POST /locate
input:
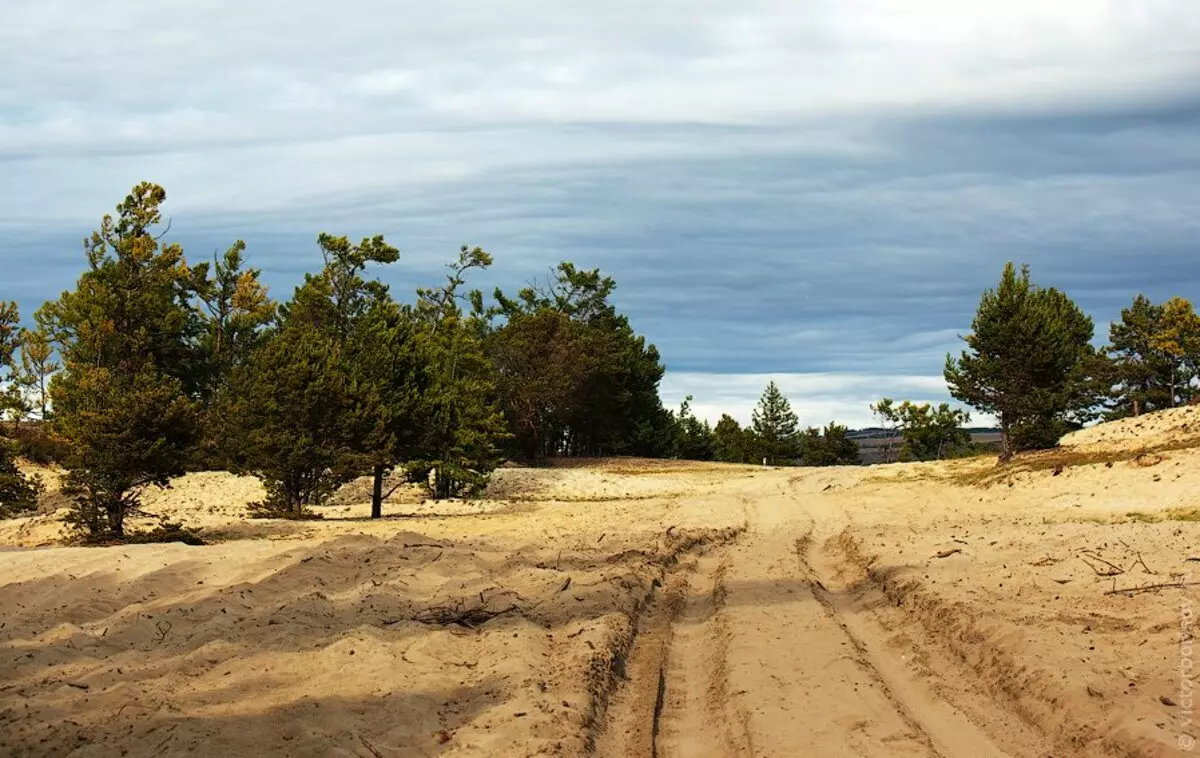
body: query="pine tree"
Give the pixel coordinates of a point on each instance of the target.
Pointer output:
(293, 410)
(694, 438)
(1178, 339)
(1142, 372)
(927, 433)
(609, 372)
(462, 423)
(831, 447)
(12, 402)
(37, 367)
(1028, 362)
(775, 427)
(18, 493)
(732, 443)
(126, 336)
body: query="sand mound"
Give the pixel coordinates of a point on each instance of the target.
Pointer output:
(1148, 430)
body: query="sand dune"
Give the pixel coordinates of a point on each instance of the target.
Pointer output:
(630, 608)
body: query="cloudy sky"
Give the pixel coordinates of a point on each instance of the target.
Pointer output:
(815, 190)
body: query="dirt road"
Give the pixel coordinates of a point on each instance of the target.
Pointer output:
(763, 648)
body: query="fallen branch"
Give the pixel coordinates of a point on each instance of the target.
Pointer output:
(1115, 570)
(1151, 588)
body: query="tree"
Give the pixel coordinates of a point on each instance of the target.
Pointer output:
(37, 367)
(391, 375)
(537, 358)
(293, 409)
(127, 429)
(927, 433)
(1178, 338)
(732, 443)
(462, 423)
(694, 438)
(600, 377)
(1142, 372)
(1028, 362)
(775, 427)
(236, 310)
(18, 493)
(12, 403)
(126, 336)
(830, 447)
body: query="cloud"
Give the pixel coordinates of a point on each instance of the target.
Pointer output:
(817, 399)
(818, 188)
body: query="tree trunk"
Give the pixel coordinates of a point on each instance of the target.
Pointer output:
(377, 492)
(1006, 451)
(116, 519)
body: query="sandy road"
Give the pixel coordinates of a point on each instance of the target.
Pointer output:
(760, 648)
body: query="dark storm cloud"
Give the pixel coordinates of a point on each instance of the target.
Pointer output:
(777, 190)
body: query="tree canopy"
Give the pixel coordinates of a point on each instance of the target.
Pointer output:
(1028, 360)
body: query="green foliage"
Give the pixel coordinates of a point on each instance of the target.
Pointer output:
(37, 367)
(12, 404)
(776, 428)
(128, 429)
(732, 443)
(289, 403)
(292, 408)
(18, 492)
(126, 336)
(694, 439)
(1030, 362)
(927, 433)
(1142, 374)
(574, 377)
(829, 447)
(462, 425)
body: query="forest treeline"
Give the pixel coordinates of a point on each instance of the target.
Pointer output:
(154, 365)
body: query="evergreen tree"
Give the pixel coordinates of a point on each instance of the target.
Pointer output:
(391, 371)
(585, 350)
(1178, 339)
(694, 438)
(462, 423)
(12, 403)
(775, 428)
(537, 359)
(831, 447)
(1028, 362)
(732, 443)
(1142, 372)
(37, 367)
(126, 337)
(236, 309)
(18, 493)
(927, 433)
(293, 409)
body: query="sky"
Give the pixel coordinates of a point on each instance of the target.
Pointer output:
(810, 191)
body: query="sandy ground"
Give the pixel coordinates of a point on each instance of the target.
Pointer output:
(632, 608)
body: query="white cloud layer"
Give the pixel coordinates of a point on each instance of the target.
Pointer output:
(780, 187)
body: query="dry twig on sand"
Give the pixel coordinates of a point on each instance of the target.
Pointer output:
(1151, 588)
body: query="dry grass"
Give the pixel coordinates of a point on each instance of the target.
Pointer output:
(1064, 458)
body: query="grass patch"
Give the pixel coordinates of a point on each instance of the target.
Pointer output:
(1183, 514)
(1141, 517)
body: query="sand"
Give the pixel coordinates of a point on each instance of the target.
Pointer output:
(633, 608)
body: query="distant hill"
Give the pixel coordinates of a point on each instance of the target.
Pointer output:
(873, 442)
